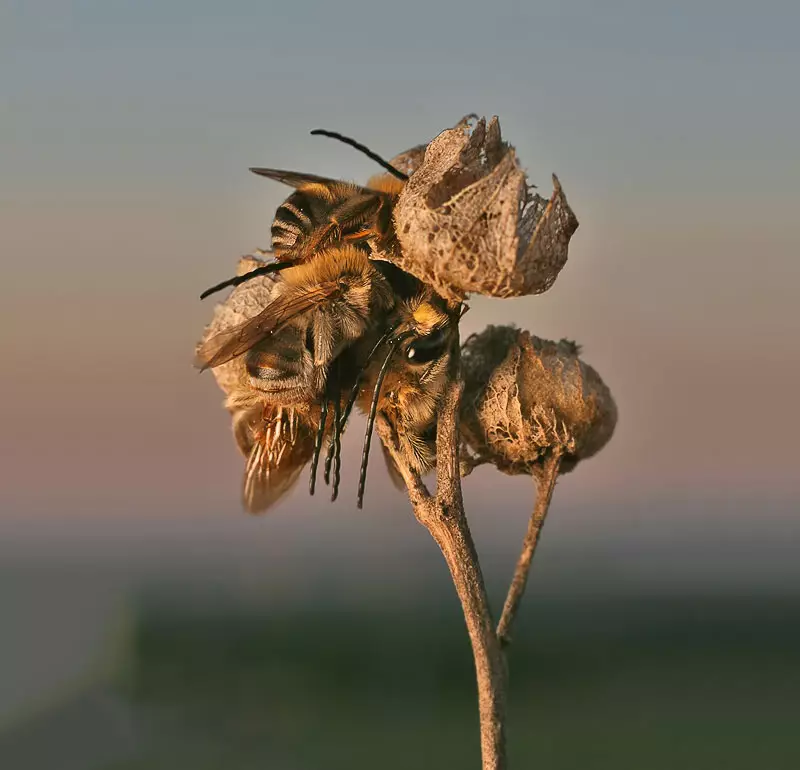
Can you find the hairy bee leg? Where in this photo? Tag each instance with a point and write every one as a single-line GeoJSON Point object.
{"type": "Point", "coordinates": [329, 460]}
{"type": "Point", "coordinates": [323, 418]}
{"type": "Point", "coordinates": [356, 209]}
{"type": "Point", "coordinates": [320, 237]}
{"type": "Point", "coordinates": [333, 391]}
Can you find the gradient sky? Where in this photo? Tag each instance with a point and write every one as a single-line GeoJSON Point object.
{"type": "Point", "coordinates": [127, 131]}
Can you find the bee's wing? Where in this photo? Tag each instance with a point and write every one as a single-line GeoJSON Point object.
{"type": "Point", "coordinates": [296, 179]}
{"type": "Point", "coordinates": [275, 462]}
{"type": "Point", "coordinates": [230, 343]}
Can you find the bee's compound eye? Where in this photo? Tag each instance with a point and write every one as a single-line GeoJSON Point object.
{"type": "Point", "coordinates": [423, 350]}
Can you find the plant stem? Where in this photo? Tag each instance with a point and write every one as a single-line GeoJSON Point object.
{"type": "Point", "coordinates": [545, 483]}
{"type": "Point", "coordinates": [443, 516]}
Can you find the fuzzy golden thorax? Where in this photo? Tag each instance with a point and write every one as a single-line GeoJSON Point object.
{"type": "Point", "coordinates": [361, 298]}
{"type": "Point", "coordinates": [342, 298]}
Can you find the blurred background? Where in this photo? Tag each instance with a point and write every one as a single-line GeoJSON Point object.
{"type": "Point", "coordinates": [147, 622]}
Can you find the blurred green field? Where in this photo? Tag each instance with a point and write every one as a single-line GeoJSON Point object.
{"type": "Point", "coordinates": [596, 683]}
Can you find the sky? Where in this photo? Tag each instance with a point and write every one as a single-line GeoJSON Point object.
{"type": "Point", "coordinates": [127, 132]}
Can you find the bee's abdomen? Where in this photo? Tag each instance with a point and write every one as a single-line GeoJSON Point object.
{"type": "Point", "coordinates": [278, 357]}
{"type": "Point", "coordinates": [294, 220]}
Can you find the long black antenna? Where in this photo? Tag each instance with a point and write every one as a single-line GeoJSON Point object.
{"type": "Point", "coordinates": [373, 408]}
{"type": "Point", "coordinates": [395, 172]}
{"type": "Point", "coordinates": [240, 279]}
{"type": "Point", "coordinates": [354, 392]}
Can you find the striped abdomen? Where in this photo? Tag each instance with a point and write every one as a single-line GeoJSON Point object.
{"type": "Point", "coordinates": [317, 213]}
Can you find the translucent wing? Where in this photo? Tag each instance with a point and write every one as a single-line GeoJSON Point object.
{"type": "Point", "coordinates": [230, 343]}
{"type": "Point", "coordinates": [297, 180]}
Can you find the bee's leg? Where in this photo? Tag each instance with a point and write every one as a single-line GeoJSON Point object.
{"type": "Point", "coordinates": [354, 220]}
{"type": "Point", "coordinates": [329, 461]}
{"type": "Point", "coordinates": [357, 209]}
{"type": "Point", "coordinates": [337, 437]}
{"type": "Point", "coordinates": [323, 418]}
{"type": "Point", "coordinates": [319, 238]}
{"type": "Point", "coordinates": [333, 458]}
{"type": "Point", "coordinates": [332, 391]}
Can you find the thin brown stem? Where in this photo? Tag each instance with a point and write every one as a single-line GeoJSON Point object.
{"type": "Point", "coordinates": [443, 516]}
{"type": "Point", "coordinates": [546, 483]}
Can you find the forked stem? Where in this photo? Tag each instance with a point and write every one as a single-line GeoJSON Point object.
{"type": "Point", "coordinates": [443, 516]}
{"type": "Point", "coordinates": [545, 483]}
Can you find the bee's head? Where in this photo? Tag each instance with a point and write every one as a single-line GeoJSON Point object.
{"type": "Point", "coordinates": [428, 329]}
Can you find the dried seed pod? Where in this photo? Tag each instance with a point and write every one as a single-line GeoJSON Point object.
{"type": "Point", "coordinates": [525, 397]}
{"type": "Point", "coordinates": [244, 302]}
{"type": "Point", "coordinates": [410, 160]}
{"type": "Point", "coordinates": [466, 221]}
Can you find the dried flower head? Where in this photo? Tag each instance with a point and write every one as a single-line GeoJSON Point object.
{"type": "Point", "coordinates": [524, 397]}
{"type": "Point", "coordinates": [410, 160]}
{"type": "Point", "coordinates": [466, 221]}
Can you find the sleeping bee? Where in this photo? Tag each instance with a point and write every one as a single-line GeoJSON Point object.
{"type": "Point", "coordinates": [331, 315]}
{"type": "Point", "coordinates": [323, 212]}
{"type": "Point", "coordinates": [296, 350]}
{"type": "Point", "coordinates": [406, 380]}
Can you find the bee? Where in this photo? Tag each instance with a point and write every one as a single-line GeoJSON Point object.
{"type": "Point", "coordinates": [406, 380]}
{"type": "Point", "coordinates": [317, 309]}
{"type": "Point", "coordinates": [296, 349]}
{"type": "Point", "coordinates": [324, 212]}
{"type": "Point", "coordinates": [277, 429]}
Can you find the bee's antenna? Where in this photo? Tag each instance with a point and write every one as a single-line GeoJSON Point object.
{"type": "Point", "coordinates": [354, 392]}
{"type": "Point", "coordinates": [240, 279]}
{"type": "Point", "coordinates": [361, 148]}
{"type": "Point", "coordinates": [323, 418]}
{"type": "Point", "coordinates": [373, 408]}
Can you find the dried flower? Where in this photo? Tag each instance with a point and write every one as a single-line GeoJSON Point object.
{"type": "Point", "coordinates": [466, 221]}
{"type": "Point", "coordinates": [525, 397]}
